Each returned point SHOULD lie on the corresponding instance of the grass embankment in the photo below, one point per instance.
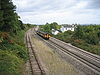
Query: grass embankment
(80, 43)
(13, 53)
(53, 63)
(95, 49)
(84, 37)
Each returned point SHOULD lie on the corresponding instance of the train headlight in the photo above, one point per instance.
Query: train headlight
(49, 36)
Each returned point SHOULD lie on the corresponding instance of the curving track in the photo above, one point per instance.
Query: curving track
(36, 67)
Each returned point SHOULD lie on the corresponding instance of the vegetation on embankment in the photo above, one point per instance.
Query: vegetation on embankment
(85, 37)
(13, 53)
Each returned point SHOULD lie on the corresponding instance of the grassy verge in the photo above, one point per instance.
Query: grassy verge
(13, 53)
(88, 47)
(10, 64)
(82, 44)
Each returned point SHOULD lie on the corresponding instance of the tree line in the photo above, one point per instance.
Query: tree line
(48, 27)
(90, 33)
(13, 53)
(9, 19)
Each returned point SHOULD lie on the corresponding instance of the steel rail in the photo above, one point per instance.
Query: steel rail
(90, 64)
(36, 67)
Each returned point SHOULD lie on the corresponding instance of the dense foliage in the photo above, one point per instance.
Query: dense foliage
(91, 33)
(48, 27)
(10, 64)
(8, 17)
(13, 53)
(85, 37)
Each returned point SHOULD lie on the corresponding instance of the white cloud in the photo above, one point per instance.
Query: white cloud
(81, 4)
(61, 11)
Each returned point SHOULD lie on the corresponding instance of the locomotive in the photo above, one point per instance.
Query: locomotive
(44, 34)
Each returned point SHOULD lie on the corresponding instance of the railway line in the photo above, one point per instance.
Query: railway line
(93, 59)
(90, 63)
(35, 65)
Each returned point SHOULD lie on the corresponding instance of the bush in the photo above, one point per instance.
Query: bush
(9, 63)
(92, 38)
(13, 53)
(19, 38)
(4, 37)
(88, 47)
(18, 50)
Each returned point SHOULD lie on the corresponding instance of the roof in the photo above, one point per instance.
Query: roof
(42, 32)
(68, 26)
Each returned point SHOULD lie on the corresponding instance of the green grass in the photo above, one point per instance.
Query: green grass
(81, 44)
(88, 47)
(18, 50)
(13, 54)
(10, 64)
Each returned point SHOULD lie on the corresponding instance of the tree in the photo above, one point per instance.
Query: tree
(92, 38)
(53, 25)
(22, 25)
(46, 28)
(10, 22)
(1, 19)
(79, 33)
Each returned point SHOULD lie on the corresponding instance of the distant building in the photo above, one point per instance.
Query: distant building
(37, 27)
(55, 32)
(66, 27)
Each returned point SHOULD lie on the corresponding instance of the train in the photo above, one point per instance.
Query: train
(44, 35)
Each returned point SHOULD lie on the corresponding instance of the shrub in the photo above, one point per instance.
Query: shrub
(18, 50)
(4, 35)
(9, 63)
(19, 38)
(5, 38)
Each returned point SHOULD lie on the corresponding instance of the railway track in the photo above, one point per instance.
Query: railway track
(36, 67)
(78, 50)
(89, 61)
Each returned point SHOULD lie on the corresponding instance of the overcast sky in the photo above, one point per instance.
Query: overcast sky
(60, 11)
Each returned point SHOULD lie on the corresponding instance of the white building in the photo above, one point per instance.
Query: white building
(36, 28)
(55, 32)
(67, 27)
